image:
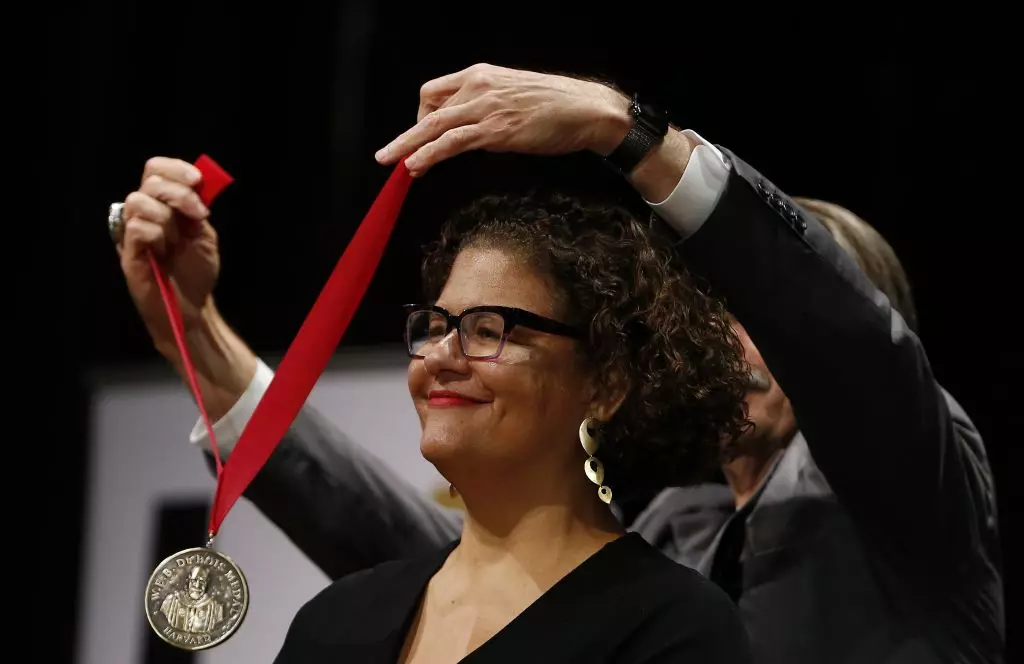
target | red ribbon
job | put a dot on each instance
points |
(312, 348)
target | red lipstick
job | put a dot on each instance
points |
(449, 399)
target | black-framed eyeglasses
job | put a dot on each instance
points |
(483, 330)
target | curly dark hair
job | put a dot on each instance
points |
(647, 322)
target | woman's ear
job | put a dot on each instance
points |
(608, 395)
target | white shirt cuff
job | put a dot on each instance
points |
(228, 429)
(697, 193)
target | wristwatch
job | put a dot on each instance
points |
(650, 124)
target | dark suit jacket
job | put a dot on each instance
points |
(873, 540)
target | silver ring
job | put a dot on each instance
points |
(115, 222)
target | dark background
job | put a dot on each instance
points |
(888, 116)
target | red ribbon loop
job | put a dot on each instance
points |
(309, 352)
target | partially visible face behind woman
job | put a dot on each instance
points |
(517, 407)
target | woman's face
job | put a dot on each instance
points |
(523, 407)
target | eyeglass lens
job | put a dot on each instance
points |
(480, 333)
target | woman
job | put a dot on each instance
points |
(547, 373)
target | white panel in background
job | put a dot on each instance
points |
(140, 457)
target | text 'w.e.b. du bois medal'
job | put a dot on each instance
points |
(198, 598)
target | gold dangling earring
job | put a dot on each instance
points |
(452, 491)
(592, 467)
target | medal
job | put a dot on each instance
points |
(198, 598)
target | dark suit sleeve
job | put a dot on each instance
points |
(900, 454)
(343, 507)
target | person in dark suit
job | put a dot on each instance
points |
(856, 522)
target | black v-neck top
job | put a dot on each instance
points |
(627, 604)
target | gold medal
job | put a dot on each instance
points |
(196, 598)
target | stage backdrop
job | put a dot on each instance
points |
(147, 484)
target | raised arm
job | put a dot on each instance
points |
(880, 427)
(341, 505)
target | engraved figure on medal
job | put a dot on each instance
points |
(193, 610)
(196, 599)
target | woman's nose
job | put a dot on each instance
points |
(446, 355)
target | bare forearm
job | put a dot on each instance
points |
(660, 171)
(223, 363)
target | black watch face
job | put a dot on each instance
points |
(655, 118)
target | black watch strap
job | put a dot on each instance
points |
(650, 125)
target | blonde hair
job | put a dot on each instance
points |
(875, 257)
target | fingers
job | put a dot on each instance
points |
(154, 212)
(149, 223)
(172, 169)
(452, 97)
(141, 235)
(150, 217)
(452, 142)
(179, 196)
(434, 92)
(428, 107)
(433, 126)
(138, 204)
